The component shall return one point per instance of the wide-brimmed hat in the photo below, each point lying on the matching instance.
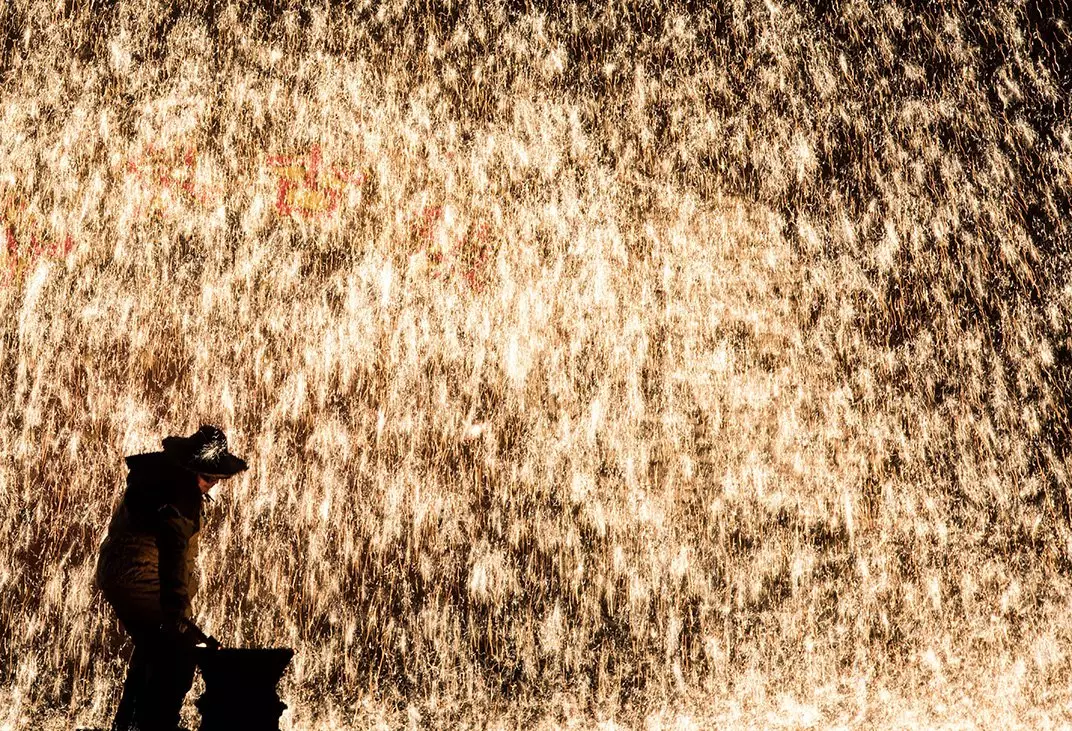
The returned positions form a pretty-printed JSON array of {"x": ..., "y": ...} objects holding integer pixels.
[{"x": 205, "y": 452}]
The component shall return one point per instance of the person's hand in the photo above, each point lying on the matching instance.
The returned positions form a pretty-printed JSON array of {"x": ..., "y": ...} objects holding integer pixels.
[
  {"x": 198, "y": 637},
  {"x": 175, "y": 632},
  {"x": 210, "y": 642}
]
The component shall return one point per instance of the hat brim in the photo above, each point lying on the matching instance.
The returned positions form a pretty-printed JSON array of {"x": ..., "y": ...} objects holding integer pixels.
[{"x": 228, "y": 466}]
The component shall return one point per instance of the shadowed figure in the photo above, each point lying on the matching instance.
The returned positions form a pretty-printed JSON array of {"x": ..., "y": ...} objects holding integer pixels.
[{"x": 147, "y": 571}]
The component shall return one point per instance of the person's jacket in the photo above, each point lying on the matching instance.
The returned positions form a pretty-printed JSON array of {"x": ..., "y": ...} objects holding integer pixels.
[{"x": 147, "y": 567}]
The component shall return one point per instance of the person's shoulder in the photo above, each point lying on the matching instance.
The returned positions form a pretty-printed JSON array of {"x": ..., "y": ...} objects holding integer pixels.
[
  {"x": 149, "y": 461},
  {"x": 155, "y": 481}
]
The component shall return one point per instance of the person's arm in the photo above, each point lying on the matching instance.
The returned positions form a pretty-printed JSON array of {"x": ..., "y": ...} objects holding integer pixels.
[{"x": 173, "y": 534}]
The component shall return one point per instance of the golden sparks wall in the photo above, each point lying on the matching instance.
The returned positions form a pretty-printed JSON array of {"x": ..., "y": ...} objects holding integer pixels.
[{"x": 592, "y": 363}]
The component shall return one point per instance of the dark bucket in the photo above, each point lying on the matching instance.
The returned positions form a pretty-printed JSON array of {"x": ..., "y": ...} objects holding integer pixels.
[{"x": 240, "y": 690}]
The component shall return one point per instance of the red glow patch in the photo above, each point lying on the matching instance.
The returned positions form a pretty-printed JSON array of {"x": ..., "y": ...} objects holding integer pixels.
[
  {"x": 306, "y": 187},
  {"x": 466, "y": 255},
  {"x": 26, "y": 238},
  {"x": 170, "y": 176}
]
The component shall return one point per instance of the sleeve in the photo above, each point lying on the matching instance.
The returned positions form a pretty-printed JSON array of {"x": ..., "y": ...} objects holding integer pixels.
[
  {"x": 193, "y": 575},
  {"x": 173, "y": 534}
]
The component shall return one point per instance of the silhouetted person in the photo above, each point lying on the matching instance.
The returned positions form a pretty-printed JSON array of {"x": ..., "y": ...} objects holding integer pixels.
[{"x": 147, "y": 571}]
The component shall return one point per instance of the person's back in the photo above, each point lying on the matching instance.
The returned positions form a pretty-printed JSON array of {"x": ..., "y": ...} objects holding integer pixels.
[
  {"x": 159, "y": 497},
  {"x": 147, "y": 570}
]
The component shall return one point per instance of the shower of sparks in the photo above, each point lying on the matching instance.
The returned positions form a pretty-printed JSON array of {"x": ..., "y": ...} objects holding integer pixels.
[{"x": 612, "y": 367}]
